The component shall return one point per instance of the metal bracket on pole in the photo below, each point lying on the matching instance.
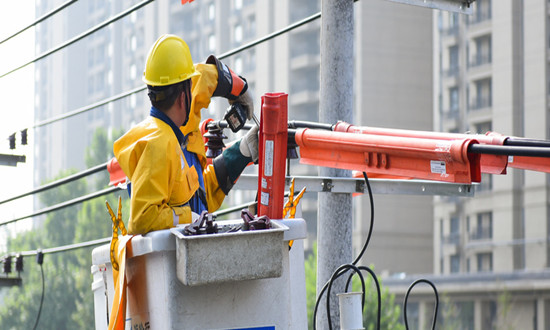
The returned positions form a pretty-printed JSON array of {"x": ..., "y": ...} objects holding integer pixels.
[
  {"x": 357, "y": 185},
  {"x": 327, "y": 185},
  {"x": 459, "y": 6}
]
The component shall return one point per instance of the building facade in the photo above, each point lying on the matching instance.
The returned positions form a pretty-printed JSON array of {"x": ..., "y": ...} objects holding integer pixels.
[{"x": 491, "y": 252}]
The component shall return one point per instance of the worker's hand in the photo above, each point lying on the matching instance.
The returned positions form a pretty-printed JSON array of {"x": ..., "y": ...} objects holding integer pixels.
[
  {"x": 246, "y": 101},
  {"x": 249, "y": 144}
]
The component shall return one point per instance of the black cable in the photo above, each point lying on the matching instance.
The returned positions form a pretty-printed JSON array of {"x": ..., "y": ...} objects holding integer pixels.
[
  {"x": 373, "y": 275},
  {"x": 309, "y": 124},
  {"x": 39, "y": 260},
  {"x": 509, "y": 150},
  {"x": 367, "y": 241},
  {"x": 59, "y": 182},
  {"x": 81, "y": 36},
  {"x": 64, "y": 204},
  {"x": 371, "y": 226},
  {"x": 340, "y": 271},
  {"x": 379, "y": 292},
  {"x": 270, "y": 36},
  {"x": 40, "y": 19},
  {"x": 89, "y": 107},
  {"x": 515, "y": 141},
  {"x": 139, "y": 89},
  {"x": 422, "y": 280}
]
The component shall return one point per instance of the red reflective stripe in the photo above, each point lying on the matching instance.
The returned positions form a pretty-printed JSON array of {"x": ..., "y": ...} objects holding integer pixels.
[{"x": 238, "y": 84}]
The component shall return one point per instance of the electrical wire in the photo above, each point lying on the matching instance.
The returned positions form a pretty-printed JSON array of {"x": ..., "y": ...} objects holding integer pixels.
[
  {"x": 139, "y": 89},
  {"x": 99, "y": 241},
  {"x": 89, "y": 107},
  {"x": 64, "y": 204},
  {"x": 422, "y": 280},
  {"x": 379, "y": 292},
  {"x": 81, "y": 36},
  {"x": 41, "y": 298},
  {"x": 509, "y": 150},
  {"x": 270, "y": 36},
  {"x": 338, "y": 272},
  {"x": 515, "y": 141},
  {"x": 59, "y": 182},
  {"x": 40, "y": 19}
]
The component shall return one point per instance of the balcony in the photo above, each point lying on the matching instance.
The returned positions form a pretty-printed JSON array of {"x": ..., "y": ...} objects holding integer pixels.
[
  {"x": 481, "y": 234},
  {"x": 479, "y": 60},
  {"x": 479, "y": 16},
  {"x": 451, "y": 239},
  {"x": 450, "y": 115},
  {"x": 480, "y": 103},
  {"x": 452, "y": 72},
  {"x": 450, "y": 31}
]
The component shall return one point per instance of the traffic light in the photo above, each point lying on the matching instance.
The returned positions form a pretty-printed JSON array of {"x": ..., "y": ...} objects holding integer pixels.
[
  {"x": 19, "y": 263},
  {"x": 24, "y": 137},
  {"x": 7, "y": 265},
  {"x": 12, "y": 141}
]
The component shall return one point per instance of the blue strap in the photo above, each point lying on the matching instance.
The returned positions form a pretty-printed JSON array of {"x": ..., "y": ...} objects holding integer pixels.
[{"x": 197, "y": 203}]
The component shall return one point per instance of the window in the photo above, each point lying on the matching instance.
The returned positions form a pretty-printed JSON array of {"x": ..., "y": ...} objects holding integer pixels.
[
  {"x": 238, "y": 65},
  {"x": 453, "y": 19},
  {"x": 238, "y": 33},
  {"x": 455, "y": 230},
  {"x": 211, "y": 12},
  {"x": 238, "y": 4},
  {"x": 453, "y": 59},
  {"x": 455, "y": 263},
  {"x": 483, "y": 97},
  {"x": 483, "y": 53},
  {"x": 483, "y": 128},
  {"x": 484, "y": 262},
  {"x": 211, "y": 43},
  {"x": 453, "y": 99},
  {"x": 484, "y": 227},
  {"x": 133, "y": 72}
]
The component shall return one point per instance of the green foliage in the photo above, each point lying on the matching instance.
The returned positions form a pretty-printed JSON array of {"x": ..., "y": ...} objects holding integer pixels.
[
  {"x": 68, "y": 299},
  {"x": 390, "y": 314}
]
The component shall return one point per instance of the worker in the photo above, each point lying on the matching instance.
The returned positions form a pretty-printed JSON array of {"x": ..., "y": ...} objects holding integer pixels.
[{"x": 164, "y": 155}]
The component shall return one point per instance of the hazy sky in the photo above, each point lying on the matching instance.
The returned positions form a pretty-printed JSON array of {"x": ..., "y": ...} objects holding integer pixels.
[{"x": 17, "y": 102}]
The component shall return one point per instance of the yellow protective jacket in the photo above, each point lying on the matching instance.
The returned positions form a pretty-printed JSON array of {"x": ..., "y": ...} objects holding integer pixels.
[{"x": 151, "y": 157}]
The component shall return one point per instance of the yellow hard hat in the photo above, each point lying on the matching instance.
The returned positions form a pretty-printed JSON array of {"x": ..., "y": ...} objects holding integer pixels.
[{"x": 168, "y": 62}]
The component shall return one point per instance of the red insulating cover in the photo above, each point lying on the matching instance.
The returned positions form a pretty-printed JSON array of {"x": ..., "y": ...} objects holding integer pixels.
[
  {"x": 429, "y": 159},
  {"x": 272, "y": 158}
]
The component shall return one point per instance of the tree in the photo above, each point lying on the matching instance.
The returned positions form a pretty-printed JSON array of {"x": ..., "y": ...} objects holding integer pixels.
[
  {"x": 68, "y": 300},
  {"x": 390, "y": 316}
]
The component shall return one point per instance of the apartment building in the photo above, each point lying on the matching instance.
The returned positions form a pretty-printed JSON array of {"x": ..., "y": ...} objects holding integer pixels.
[{"x": 491, "y": 252}]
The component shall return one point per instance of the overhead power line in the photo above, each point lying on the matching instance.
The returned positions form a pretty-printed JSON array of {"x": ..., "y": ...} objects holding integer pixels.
[
  {"x": 270, "y": 36},
  {"x": 106, "y": 239},
  {"x": 59, "y": 182},
  {"x": 64, "y": 204},
  {"x": 81, "y": 36},
  {"x": 139, "y": 89},
  {"x": 40, "y": 19},
  {"x": 89, "y": 107}
]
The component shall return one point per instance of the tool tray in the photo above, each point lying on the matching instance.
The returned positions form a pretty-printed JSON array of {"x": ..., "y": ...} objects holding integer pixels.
[{"x": 229, "y": 255}]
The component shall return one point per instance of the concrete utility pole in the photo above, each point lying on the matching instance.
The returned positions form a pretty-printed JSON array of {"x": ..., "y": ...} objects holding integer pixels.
[{"x": 334, "y": 226}]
